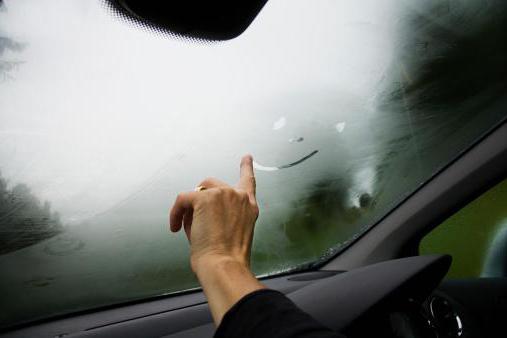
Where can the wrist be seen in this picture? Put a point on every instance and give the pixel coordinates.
(214, 263)
(225, 280)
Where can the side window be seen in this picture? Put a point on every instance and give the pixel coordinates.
(475, 236)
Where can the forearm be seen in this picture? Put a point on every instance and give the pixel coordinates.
(219, 222)
(225, 282)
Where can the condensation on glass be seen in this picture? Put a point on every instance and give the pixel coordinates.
(350, 105)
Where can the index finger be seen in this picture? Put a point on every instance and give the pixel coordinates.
(246, 176)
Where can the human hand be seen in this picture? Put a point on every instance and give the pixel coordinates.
(219, 220)
(219, 223)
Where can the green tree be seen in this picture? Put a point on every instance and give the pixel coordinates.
(8, 65)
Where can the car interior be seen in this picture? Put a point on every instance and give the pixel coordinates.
(433, 265)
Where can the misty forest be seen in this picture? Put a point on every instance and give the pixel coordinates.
(24, 219)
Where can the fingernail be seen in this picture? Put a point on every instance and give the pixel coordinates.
(248, 158)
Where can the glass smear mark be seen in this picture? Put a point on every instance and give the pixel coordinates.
(296, 139)
(285, 166)
(280, 123)
(340, 126)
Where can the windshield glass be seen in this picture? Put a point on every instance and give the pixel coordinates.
(346, 106)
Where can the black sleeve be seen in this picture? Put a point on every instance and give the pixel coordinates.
(269, 314)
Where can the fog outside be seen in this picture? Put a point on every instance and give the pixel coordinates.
(102, 124)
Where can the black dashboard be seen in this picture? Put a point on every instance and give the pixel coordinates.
(397, 298)
(436, 317)
(467, 308)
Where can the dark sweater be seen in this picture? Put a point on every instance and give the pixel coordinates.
(268, 313)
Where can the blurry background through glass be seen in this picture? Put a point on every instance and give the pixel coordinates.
(476, 237)
(102, 124)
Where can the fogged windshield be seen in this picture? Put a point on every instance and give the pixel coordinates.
(346, 106)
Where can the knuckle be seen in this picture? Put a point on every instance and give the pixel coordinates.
(251, 178)
(207, 180)
(255, 211)
(214, 192)
(220, 192)
(230, 193)
(243, 195)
